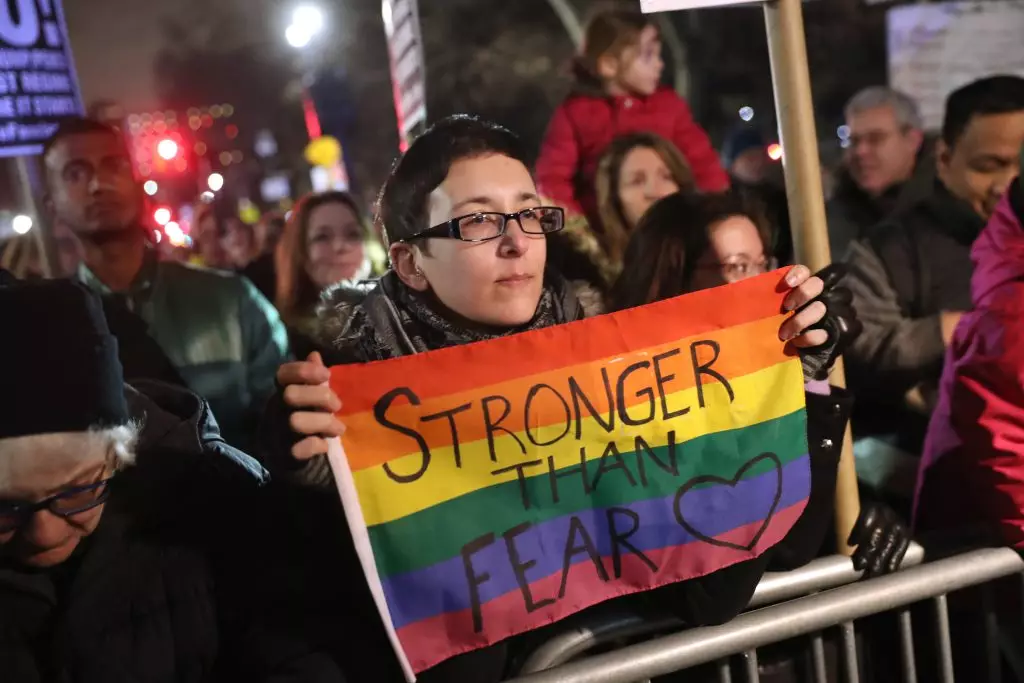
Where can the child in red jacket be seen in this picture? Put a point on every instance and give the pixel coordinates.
(618, 92)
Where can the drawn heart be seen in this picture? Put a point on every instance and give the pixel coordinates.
(692, 485)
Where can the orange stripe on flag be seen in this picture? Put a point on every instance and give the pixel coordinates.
(369, 444)
(560, 346)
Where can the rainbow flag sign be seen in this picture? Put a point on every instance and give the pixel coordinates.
(497, 487)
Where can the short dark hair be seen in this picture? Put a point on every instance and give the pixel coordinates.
(984, 97)
(77, 125)
(402, 205)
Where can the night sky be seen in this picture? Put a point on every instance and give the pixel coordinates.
(114, 41)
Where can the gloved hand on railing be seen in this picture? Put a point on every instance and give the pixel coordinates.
(882, 539)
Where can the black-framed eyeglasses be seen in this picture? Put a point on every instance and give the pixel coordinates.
(14, 515)
(488, 225)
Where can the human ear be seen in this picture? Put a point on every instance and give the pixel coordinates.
(404, 263)
(607, 67)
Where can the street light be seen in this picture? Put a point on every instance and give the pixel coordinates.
(296, 37)
(21, 224)
(307, 22)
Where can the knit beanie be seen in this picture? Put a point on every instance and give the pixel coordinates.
(58, 361)
(739, 141)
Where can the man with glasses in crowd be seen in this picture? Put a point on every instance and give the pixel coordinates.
(128, 528)
(882, 167)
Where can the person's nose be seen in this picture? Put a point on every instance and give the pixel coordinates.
(343, 245)
(515, 242)
(101, 182)
(45, 530)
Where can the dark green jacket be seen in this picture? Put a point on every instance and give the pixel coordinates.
(221, 335)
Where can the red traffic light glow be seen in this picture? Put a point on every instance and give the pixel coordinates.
(167, 149)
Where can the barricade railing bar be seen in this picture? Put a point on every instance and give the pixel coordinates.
(818, 575)
(802, 616)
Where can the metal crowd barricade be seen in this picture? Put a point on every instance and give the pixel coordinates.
(809, 615)
(818, 575)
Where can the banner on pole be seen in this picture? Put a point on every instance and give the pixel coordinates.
(497, 487)
(38, 85)
(936, 48)
(408, 69)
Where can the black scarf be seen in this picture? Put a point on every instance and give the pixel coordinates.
(395, 321)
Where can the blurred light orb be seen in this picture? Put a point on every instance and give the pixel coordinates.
(150, 187)
(297, 37)
(174, 234)
(775, 151)
(215, 182)
(307, 21)
(167, 149)
(309, 18)
(21, 224)
(747, 113)
(162, 216)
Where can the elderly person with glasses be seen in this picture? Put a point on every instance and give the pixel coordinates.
(128, 528)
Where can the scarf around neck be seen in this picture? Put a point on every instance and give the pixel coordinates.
(394, 320)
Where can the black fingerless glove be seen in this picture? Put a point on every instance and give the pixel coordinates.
(840, 322)
(882, 539)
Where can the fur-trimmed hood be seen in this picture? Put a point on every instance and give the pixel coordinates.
(341, 311)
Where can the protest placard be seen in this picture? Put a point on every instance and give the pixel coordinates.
(497, 487)
(38, 86)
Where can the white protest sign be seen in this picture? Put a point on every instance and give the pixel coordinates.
(38, 86)
(936, 48)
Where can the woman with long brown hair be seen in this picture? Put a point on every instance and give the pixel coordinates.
(636, 170)
(324, 243)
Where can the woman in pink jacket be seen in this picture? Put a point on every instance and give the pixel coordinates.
(972, 469)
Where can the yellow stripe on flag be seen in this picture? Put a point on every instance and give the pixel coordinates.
(764, 395)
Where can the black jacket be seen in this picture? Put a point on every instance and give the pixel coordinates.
(165, 590)
(712, 599)
(903, 275)
(852, 214)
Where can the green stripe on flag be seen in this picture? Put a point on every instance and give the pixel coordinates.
(437, 533)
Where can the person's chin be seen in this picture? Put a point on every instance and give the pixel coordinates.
(107, 228)
(518, 309)
(49, 558)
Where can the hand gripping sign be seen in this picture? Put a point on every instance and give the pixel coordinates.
(497, 487)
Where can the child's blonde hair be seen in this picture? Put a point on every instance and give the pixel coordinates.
(609, 34)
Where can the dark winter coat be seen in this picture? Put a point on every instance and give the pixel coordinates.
(903, 276)
(852, 213)
(712, 599)
(164, 591)
(583, 126)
